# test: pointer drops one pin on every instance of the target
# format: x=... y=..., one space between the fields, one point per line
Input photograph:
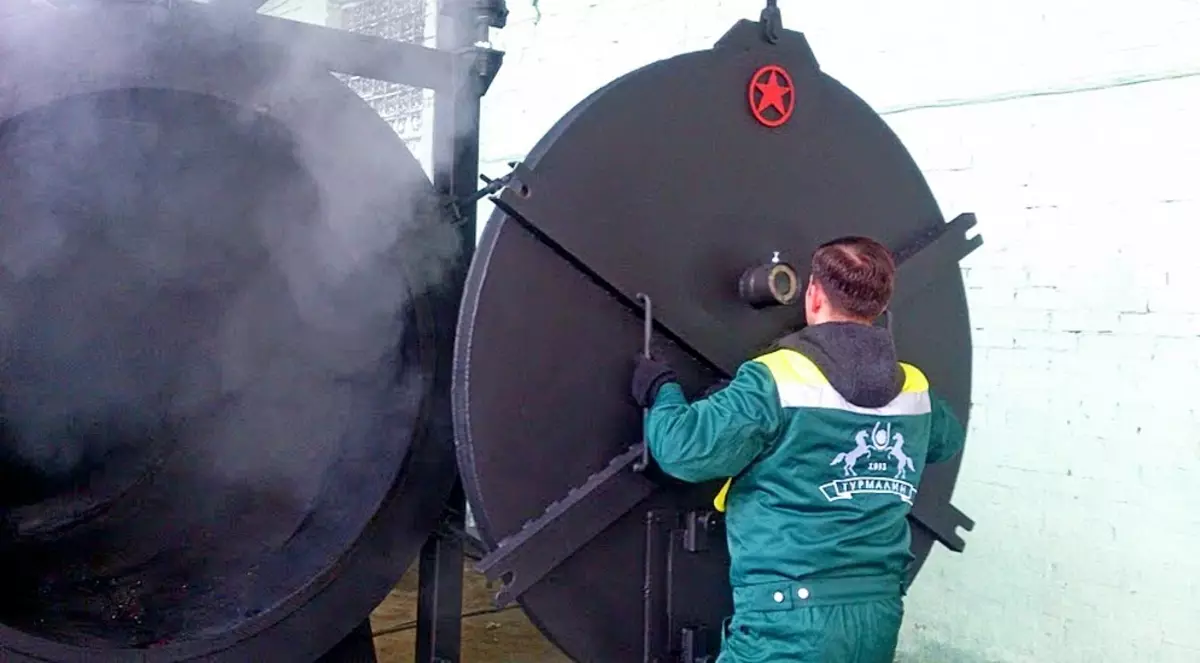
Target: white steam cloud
x=201 y=309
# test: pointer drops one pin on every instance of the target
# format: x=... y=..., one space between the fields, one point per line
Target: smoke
x=202 y=308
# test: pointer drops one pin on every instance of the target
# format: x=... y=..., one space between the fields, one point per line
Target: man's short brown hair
x=858 y=275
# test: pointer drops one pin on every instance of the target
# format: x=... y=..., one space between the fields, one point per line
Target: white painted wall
x=1084 y=448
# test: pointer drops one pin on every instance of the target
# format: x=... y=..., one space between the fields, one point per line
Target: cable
x=410 y=625
x=1140 y=79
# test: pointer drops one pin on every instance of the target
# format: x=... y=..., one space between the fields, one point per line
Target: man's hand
x=648 y=376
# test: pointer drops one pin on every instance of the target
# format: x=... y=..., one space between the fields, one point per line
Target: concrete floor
x=504 y=637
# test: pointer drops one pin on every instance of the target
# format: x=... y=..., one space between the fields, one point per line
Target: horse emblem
x=849 y=458
x=880 y=439
x=902 y=460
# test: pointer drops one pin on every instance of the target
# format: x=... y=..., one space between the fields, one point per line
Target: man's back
x=829 y=497
x=846 y=433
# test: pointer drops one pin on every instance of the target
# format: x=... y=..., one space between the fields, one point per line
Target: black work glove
x=649 y=375
x=715 y=387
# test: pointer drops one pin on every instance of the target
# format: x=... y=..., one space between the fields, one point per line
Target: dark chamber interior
x=200 y=407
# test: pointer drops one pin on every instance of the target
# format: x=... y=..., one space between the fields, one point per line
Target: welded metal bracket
x=943 y=522
x=484 y=14
x=921 y=258
x=472 y=21
x=487 y=65
x=523 y=559
x=491 y=187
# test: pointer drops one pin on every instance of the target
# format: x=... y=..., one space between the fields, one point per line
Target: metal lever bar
x=921 y=260
x=647 y=333
x=524 y=558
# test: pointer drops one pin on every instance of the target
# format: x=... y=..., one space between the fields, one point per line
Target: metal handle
x=648 y=325
x=642 y=463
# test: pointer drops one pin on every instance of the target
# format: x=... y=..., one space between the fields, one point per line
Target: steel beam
x=342 y=51
x=245 y=5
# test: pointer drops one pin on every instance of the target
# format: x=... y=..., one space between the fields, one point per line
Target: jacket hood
x=858 y=360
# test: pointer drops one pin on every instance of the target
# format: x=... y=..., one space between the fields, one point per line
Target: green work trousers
x=844 y=620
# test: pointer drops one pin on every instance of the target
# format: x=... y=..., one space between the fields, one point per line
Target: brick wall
x=1071 y=128
x=1084 y=432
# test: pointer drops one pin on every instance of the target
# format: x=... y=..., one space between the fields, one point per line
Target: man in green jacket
x=825 y=438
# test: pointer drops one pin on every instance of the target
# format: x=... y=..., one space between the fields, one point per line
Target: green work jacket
x=820 y=487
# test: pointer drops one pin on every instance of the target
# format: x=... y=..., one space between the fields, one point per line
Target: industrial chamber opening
x=217 y=268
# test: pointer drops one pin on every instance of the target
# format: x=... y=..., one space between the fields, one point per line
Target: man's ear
x=814 y=296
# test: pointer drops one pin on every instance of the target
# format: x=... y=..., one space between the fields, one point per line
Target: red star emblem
x=772 y=96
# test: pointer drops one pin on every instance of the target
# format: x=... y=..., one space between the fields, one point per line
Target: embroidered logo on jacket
x=877 y=447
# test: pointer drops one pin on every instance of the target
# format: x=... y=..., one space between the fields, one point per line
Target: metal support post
x=440 y=587
x=461 y=25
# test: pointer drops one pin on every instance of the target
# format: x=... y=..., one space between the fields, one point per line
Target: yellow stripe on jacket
x=801 y=383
